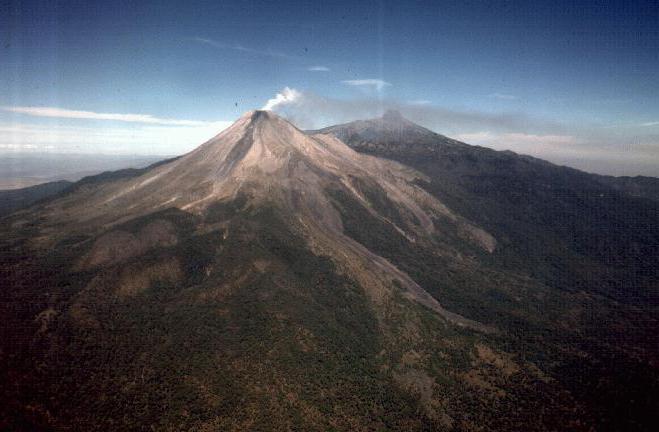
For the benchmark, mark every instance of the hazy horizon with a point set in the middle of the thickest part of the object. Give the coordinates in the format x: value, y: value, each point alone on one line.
x: 19, y: 170
x: 556, y: 154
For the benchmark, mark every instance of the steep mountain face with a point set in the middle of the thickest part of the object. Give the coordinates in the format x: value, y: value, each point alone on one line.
x: 275, y: 280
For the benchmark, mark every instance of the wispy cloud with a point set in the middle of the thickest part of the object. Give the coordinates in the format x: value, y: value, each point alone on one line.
x: 90, y: 115
x: 655, y: 123
x: 310, y: 110
x: 420, y: 102
x: 617, y: 155
x: 503, y: 96
x: 139, y: 134
x: 518, y: 141
x: 238, y: 47
x: 318, y: 69
x: 131, y: 138
x: 374, y: 83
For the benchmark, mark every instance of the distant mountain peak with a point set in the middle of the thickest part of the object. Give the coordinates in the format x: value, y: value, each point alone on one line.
x: 392, y: 128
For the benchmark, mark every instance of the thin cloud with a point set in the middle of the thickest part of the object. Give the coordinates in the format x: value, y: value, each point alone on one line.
x: 238, y: 47
x: 630, y: 125
x: 546, y: 146
x: 503, y: 96
x: 474, y: 137
x: 375, y: 83
x: 604, y: 155
x: 90, y: 115
x: 518, y: 140
x: 309, y: 110
x: 420, y: 102
x: 318, y: 69
x: 129, y: 138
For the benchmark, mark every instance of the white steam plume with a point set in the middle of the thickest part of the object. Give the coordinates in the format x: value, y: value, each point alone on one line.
x: 285, y: 97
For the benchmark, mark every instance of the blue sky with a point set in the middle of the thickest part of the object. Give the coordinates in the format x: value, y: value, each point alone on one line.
x: 573, y: 82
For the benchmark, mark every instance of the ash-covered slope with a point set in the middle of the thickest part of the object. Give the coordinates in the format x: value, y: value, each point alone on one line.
x: 272, y: 280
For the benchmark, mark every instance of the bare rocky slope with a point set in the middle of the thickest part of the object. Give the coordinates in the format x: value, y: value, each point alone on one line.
x: 276, y: 280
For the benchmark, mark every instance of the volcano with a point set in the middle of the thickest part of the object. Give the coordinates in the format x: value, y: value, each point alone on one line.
x: 354, y: 278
